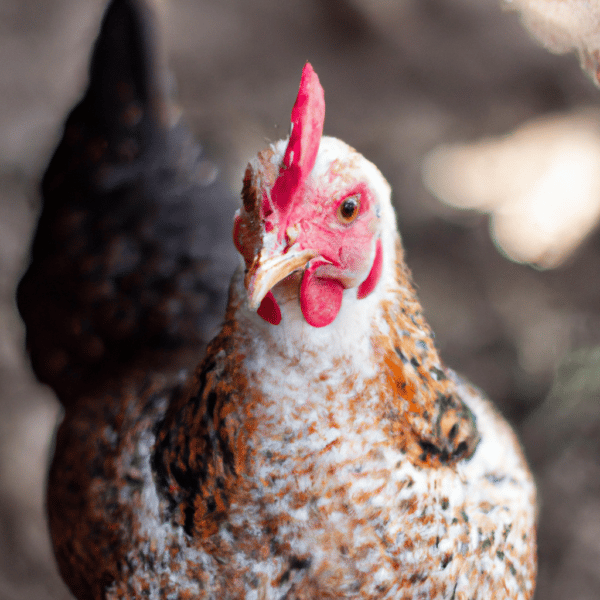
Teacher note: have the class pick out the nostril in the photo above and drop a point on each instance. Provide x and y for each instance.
(291, 234)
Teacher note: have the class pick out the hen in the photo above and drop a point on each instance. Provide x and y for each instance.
(320, 449)
(132, 254)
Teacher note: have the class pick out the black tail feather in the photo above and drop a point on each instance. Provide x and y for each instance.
(132, 256)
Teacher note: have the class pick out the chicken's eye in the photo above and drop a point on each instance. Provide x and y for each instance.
(348, 210)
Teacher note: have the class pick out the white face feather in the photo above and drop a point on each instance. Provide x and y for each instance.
(332, 149)
(352, 326)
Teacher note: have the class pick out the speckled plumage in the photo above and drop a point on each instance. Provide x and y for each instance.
(297, 462)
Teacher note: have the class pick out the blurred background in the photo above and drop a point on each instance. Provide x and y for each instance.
(492, 147)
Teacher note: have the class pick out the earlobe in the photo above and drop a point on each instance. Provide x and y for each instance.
(368, 285)
(237, 237)
(237, 223)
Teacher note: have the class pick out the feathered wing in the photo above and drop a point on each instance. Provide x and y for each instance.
(131, 258)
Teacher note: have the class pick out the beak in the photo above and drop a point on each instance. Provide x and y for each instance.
(268, 271)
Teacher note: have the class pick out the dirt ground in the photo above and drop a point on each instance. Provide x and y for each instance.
(400, 78)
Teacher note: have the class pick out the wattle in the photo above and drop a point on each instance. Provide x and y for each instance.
(269, 310)
(320, 298)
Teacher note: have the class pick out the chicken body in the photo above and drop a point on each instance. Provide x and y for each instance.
(320, 449)
(344, 461)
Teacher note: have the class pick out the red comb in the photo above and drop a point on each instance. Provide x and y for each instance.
(308, 116)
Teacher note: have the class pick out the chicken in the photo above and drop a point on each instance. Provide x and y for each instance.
(132, 253)
(320, 449)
